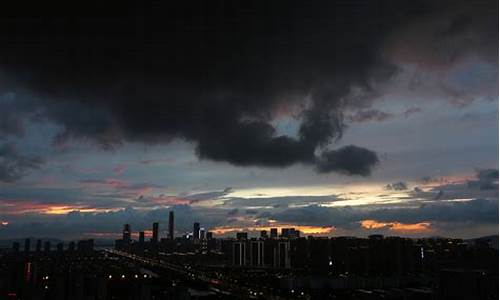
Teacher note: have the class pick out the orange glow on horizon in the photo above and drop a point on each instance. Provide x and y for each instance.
(305, 229)
(61, 210)
(397, 226)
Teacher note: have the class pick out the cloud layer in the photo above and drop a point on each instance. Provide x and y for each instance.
(218, 74)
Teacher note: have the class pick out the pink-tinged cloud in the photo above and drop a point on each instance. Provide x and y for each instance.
(105, 183)
(118, 184)
(23, 206)
(156, 161)
(119, 169)
(164, 200)
(445, 180)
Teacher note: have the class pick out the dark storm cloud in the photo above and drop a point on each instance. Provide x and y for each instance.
(478, 211)
(276, 202)
(370, 115)
(411, 111)
(397, 186)
(487, 179)
(78, 224)
(10, 122)
(351, 160)
(207, 195)
(213, 73)
(447, 33)
(14, 164)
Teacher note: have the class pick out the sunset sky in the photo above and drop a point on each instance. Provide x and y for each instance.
(336, 118)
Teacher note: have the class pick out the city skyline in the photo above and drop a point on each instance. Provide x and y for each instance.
(346, 118)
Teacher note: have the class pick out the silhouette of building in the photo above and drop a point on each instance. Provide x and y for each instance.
(86, 246)
(239, 253)
(241, 235)
(283, 255)
(126, 233)
(46, 246)
(155, 236)
(196, 231)
(141, 237)
(71, 247)
(257, 253)
(27, 245)
(274, 233)
(171, 225)
(290, 233)
(38, 246)
(15, 247)
(263, 234)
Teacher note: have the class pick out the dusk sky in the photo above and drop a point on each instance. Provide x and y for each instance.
(336, 118)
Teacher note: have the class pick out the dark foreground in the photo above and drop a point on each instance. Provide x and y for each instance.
(309, 268)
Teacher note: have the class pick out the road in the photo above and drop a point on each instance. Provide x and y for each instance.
(215, 284)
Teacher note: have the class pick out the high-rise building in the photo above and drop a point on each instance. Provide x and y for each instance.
(241, 235)
(126, 233)
(71, 246)
(202, 234)
(239, 253)
(171, 225)
(85, 246)
(283, 255)
(27, 245)
(263, 234)
(38, 246)
(155, 237)
(141, 237)
(257, 253)
(210, 235)
(15, 247)
(196, 231)
(274, 233)
(46, 246)
(290, 233)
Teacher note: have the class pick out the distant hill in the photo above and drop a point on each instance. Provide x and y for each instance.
(491, 239)
(7, 243)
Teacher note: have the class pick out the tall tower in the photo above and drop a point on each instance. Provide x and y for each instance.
(27, 245)
(171, 225)
(274, 233)
(154, 239)
(38, 246)
(196, 231)
(126, 233)
(141, 237)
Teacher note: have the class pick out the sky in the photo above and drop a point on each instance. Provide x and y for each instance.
(335, 118)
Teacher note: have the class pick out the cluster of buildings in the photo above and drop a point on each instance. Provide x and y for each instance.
(271, 250)
(277, 262)
(82, 246)
(198, 239)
